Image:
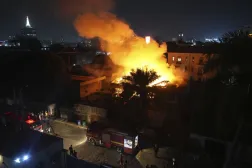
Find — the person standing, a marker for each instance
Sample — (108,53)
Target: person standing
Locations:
(156,149)
(75,154)
(121,159)
(71,150)
(174,164)
(125,163)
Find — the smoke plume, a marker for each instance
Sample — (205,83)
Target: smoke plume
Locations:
(127,49)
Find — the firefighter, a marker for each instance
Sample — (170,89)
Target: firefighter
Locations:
(174,164)
(71,150)
(121,159)
(156,149)
(75,154)
(125,163)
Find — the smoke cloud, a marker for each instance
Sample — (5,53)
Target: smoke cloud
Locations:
(127,49)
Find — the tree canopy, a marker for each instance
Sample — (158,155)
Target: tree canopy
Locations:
(232,57)
(42,75)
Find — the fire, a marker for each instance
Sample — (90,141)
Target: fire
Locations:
(128,50)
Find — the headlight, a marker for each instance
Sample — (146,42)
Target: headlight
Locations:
(26,157)
(17,160)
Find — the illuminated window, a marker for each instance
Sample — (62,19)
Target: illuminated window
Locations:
(128,143)
(173,58)
(179,59)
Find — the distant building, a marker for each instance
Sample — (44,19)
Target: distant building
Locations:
(28,30)
(189,58)
(46,44)
(249,29)
(216,40)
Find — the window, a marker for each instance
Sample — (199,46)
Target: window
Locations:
(173,58)
(185,68)
(186,59)
(128,143)
(192,59)
(179,59)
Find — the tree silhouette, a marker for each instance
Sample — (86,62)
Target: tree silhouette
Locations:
(232,57)
(44,73)
(137,84)
(232,65)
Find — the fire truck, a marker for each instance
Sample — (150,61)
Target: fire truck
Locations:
(123,141)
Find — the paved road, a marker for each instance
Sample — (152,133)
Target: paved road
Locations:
(71,135)
(98,155)
(75,136)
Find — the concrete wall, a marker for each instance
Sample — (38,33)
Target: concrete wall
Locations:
(52,109)
(5,162)
(89,113)
(66,113)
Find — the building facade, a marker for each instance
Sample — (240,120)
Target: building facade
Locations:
(190,59)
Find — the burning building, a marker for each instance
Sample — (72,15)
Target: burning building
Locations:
(190,59)
(127,49)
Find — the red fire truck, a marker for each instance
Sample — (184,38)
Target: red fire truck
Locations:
(112,138)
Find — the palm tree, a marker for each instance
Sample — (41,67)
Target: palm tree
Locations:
(137,84)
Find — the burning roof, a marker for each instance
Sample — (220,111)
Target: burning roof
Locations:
(127,49)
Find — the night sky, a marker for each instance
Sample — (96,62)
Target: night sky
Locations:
(163,18)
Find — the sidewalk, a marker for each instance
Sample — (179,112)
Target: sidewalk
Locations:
(63,121)
(147,157)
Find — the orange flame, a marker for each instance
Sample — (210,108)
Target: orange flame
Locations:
(126,48)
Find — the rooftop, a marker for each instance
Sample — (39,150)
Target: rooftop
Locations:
(25,141)
(173,47)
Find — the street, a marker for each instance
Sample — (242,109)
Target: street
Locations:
(72,135)
(77,137)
